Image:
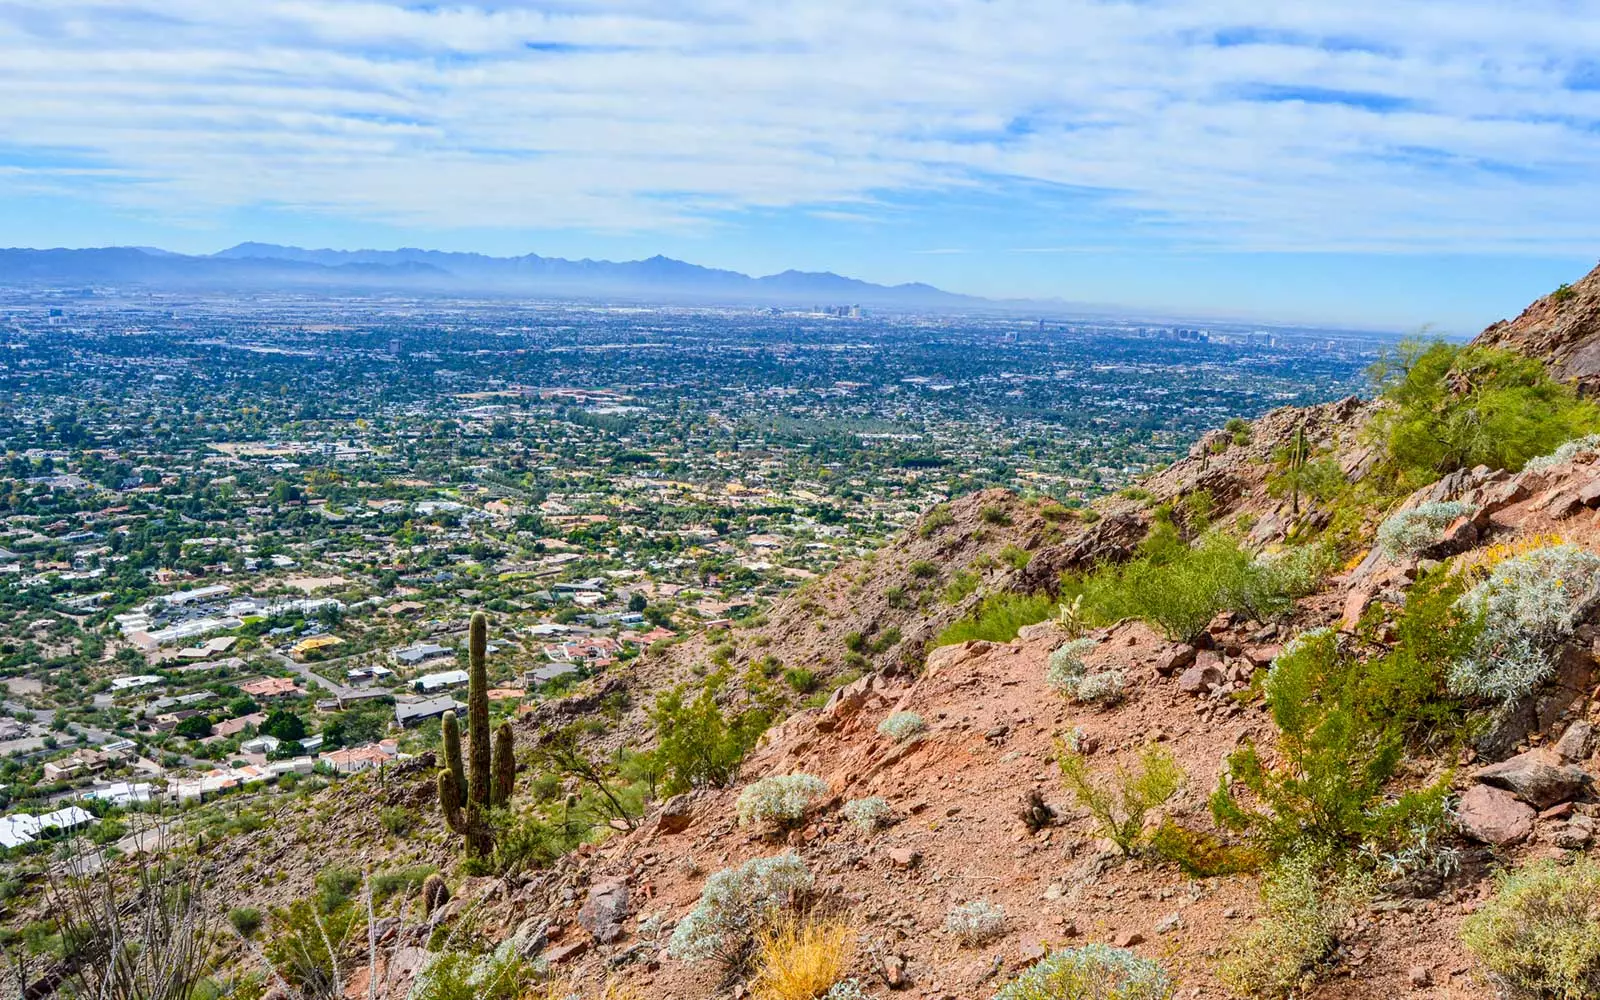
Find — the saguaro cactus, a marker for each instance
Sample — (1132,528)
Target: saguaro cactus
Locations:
(466,794)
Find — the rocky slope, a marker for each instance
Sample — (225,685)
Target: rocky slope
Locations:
(1563,328)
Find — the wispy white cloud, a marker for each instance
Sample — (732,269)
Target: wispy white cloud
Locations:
(1364,125)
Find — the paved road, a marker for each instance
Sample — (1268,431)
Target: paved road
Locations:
(337,689)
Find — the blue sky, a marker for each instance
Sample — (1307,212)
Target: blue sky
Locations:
(1366,162)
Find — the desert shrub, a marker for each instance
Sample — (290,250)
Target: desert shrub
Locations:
(1410,531)
(335,885)
(461,975)
(1528,605)
(1454,407)
(1334,759)
(1562,293)
(407,880)
(848,989)
(1586,445)
(962,583)
(1067,674)
(307,947)
(1238,429)
(1015,556)
(801,959)
(902,726)
(1121,804)
(802,679)
(936,518)
(975,923)
(1201,854)
(1538,937)
(735,905)
(998,618)
(995,515)
(1306,897)
(245,919)
(1179,588)
(1404,689)
(922,569)
(1093,972)
(782,800)
(398,820)
(869,814)
(697,742)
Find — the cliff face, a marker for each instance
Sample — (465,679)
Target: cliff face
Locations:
(1563,328)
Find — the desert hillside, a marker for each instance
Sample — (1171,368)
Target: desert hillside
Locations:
(1307,714)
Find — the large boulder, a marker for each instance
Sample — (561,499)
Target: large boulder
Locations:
(1538,778)
(1494,816)
(605,910)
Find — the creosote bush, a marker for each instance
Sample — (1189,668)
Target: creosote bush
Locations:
(1538,937)
(1453,407)
(1179,588)
(1408,532)
(1528,605)
(976,923)
(736,905)
(999,618)
(870,814)
(1121,804)
(1093,972)
(902,726)
(782,800)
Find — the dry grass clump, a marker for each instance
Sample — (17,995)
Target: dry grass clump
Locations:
(802,959)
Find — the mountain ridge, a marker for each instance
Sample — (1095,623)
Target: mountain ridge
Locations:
(257,265)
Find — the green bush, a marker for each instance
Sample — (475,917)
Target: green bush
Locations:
(1179,588)
(1334,759)
(1454,407)
(902,726)
(1538,937)
(335,886)
(459,975)
(407,880)
(305,946)
(1120,806)
(998,618)
(698,743)
(245,919)
(1307,897)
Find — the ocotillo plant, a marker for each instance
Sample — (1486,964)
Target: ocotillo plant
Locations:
(466,794)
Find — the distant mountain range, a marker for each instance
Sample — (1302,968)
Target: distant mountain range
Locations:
(264,266)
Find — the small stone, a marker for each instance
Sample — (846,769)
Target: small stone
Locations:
(1573,746)
(1169,923)
(904,857)
(676,815)
(1420,976)
(1127,939)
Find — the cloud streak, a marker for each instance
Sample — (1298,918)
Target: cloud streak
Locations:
(1362,126)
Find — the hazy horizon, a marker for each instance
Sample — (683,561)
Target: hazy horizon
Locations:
(1362,165)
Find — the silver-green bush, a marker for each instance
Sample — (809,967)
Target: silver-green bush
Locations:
(976,923)
(1410,531)
(1093,972)
(1528,606)
(902,726)
(735,904)
(1068,675)
(782,800)
(869,814)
